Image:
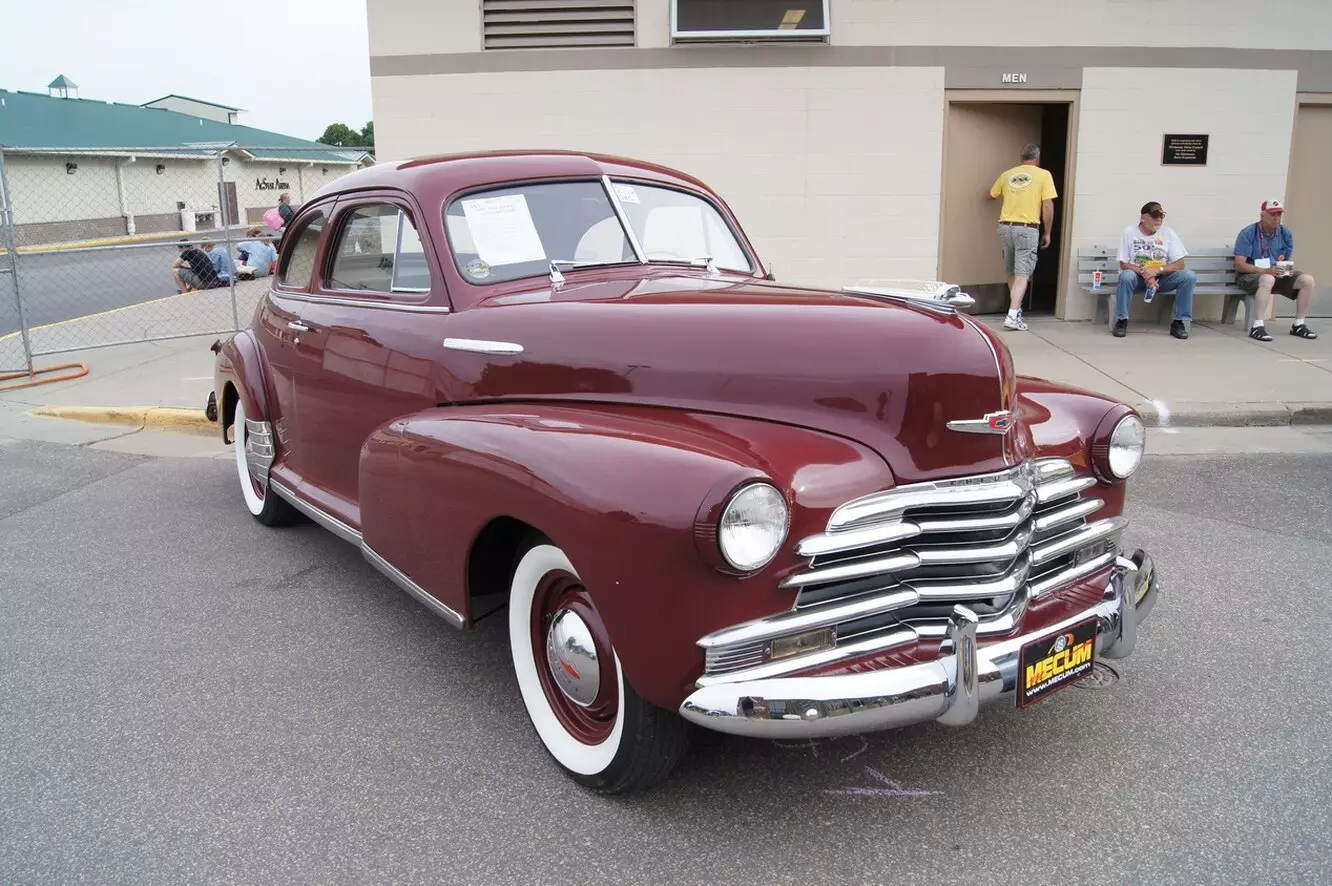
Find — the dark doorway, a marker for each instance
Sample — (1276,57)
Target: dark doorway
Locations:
(983,139)
(228,203)
(1044,290)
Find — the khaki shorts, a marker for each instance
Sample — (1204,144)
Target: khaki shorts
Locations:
(1281,285)
(1019,245)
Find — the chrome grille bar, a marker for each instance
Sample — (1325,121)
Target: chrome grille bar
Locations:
(895,560)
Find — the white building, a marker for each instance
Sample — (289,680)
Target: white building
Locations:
(858,138)
(76,169)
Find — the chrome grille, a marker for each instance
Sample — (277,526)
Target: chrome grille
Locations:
(890,567)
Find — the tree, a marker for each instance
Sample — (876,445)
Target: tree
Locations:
(340,134)
(344,135)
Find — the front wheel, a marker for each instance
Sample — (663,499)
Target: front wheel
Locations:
(599,730)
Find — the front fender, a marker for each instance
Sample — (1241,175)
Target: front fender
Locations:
(620,490)
(240,363)
(1062,421)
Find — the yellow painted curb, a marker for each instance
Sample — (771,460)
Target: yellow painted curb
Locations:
(153,418)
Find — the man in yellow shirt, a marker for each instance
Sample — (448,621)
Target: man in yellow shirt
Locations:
(1029,195)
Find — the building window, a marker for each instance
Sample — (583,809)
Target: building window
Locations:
(541,24)
(750,20)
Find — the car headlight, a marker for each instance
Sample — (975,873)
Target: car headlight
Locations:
(753,526)
(1127,443)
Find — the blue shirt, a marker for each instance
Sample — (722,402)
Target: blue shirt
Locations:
(259,256)
(222,263)
(1253,244)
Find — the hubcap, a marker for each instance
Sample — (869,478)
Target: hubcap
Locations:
(571,654)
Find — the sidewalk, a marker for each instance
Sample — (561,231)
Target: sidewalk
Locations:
(1219,377)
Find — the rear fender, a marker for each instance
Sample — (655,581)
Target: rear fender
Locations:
(629,493)
(240,372)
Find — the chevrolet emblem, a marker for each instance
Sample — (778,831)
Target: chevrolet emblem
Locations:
(994,423)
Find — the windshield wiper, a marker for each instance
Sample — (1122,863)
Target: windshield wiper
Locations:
(556,263)
(701,260)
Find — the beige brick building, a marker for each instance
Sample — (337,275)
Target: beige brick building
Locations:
(857,138)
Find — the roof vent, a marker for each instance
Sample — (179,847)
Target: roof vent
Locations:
(62,85)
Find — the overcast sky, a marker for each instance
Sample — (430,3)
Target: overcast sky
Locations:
(295,66)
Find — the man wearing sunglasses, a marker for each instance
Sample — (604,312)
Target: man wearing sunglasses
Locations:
(1264,264)
(1151,260)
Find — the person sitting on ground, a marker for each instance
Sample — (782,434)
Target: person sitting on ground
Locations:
(223,267)
(257,255)
(1265,263)
(1151,260)
(192,269)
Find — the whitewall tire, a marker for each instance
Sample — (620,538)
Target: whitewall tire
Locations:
(590,720)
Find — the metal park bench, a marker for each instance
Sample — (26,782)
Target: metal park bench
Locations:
(1214,266)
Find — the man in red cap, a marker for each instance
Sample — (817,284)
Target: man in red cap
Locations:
(1264,260)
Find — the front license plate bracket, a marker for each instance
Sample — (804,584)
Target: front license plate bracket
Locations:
(1052,662)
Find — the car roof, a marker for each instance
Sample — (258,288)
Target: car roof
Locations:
(436,176)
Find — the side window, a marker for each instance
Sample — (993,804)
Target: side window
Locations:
(379,250)
(300,261)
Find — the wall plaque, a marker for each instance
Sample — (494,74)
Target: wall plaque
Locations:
(1184,150)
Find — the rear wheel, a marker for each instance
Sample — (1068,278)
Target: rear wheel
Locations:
(599,730)
(261,501)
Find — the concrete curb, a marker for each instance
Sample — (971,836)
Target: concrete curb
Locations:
(152,418)
(1234,415)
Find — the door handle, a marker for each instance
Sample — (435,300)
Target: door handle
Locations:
(298,326)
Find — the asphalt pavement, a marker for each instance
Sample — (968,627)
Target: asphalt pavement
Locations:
(63,285)
(186,696)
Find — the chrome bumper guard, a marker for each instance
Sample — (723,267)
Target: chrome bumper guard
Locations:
(950,689)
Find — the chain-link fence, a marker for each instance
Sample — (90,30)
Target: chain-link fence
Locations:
(111,246)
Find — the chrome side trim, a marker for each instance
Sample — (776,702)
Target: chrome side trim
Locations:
(481,346)
(324,519)
(393,574)
(360,303)
(797,621)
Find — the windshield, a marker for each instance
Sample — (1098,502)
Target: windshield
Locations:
(518,231)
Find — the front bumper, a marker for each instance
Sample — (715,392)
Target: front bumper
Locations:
(949,689)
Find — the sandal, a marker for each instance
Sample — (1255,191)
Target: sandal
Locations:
(1303,331)
(1260,333)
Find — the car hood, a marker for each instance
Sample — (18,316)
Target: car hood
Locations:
(888,374)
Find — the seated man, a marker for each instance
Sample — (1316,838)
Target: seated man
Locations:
(222,265)
(193,269)
(1151,260)
(1264,262)
(257,254)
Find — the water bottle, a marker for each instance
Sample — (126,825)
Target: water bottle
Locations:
(1150,294)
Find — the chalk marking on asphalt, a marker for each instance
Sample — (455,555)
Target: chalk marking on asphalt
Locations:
(198,378)
(1163,413)
(886,788)
(813,745)
(1302,360)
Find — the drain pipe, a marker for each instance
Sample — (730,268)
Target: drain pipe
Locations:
(120,192)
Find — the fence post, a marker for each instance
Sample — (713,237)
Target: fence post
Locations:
(227,221)
(10,243)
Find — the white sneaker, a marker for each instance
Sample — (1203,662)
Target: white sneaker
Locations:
(1011,322)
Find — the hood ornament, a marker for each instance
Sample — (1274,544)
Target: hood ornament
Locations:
(994,423)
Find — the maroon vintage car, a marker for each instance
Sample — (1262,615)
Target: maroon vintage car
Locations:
(566,384)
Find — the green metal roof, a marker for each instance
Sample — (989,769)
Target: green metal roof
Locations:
(197,101)
(32,121)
